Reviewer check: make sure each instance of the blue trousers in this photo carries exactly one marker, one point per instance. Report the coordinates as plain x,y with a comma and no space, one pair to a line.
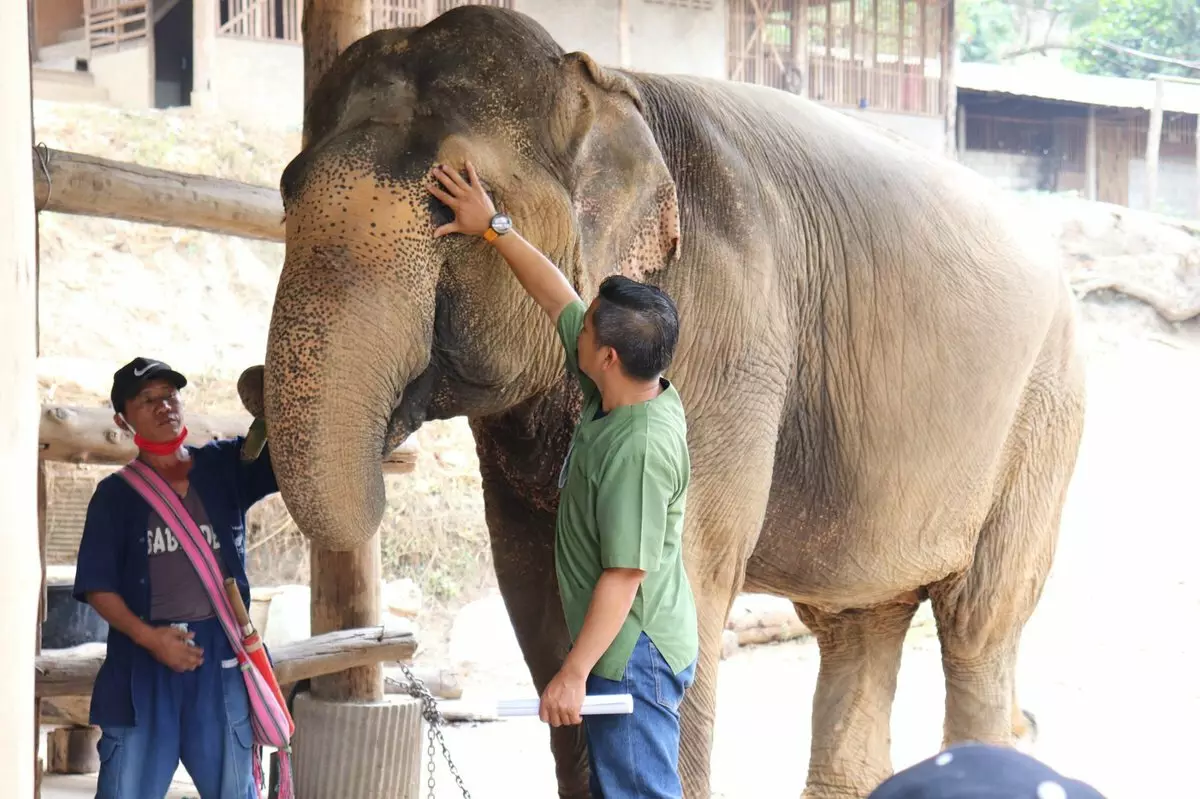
636,756
201,717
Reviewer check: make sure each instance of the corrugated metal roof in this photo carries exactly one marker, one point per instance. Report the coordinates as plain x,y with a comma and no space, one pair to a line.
1074,87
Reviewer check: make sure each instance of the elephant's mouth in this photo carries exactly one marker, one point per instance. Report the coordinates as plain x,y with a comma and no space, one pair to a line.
411,410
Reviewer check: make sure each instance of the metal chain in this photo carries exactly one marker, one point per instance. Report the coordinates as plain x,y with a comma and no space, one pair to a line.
429,711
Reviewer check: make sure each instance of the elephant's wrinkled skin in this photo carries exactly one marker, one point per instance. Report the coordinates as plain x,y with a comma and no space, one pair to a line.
883,388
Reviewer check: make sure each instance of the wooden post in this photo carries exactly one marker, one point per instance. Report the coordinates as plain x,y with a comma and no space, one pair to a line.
949,51
344,585
204,34
20,574
1092,156
1196,141
1153,137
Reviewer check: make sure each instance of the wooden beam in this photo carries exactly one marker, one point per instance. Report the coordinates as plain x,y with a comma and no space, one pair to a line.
1091,156
20,572
72,183
345,585
89,435
72,672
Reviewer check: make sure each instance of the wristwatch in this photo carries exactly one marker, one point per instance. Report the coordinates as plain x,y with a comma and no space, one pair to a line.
500,225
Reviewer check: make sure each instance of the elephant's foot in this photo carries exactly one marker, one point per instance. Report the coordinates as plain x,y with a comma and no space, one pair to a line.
858,788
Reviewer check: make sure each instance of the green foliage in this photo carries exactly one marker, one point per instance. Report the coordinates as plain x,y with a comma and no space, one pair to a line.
1169,28
986,29
996,30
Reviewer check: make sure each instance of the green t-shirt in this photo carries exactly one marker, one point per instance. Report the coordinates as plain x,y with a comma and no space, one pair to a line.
622,506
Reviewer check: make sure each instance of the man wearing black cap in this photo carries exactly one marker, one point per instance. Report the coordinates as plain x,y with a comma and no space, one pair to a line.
170,688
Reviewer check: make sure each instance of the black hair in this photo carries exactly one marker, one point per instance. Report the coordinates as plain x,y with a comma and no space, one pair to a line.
640,322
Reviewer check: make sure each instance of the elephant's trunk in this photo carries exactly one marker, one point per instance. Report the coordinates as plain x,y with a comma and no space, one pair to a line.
346,339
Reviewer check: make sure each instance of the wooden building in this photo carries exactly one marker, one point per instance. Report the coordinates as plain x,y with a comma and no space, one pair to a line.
1050,130
885,60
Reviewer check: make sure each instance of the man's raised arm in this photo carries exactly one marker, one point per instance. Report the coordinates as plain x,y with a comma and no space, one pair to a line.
475,215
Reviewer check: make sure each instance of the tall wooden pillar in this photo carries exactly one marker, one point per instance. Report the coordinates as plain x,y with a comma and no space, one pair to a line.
20,571
345,585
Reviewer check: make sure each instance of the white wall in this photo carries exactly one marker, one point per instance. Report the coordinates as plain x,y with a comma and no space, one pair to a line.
126,75
663,37
1008,170
259,81
926,132
1177,187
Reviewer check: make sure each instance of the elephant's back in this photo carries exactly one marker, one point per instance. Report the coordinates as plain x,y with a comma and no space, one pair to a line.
914,310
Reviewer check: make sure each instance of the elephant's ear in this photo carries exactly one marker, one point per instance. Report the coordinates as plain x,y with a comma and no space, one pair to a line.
623,194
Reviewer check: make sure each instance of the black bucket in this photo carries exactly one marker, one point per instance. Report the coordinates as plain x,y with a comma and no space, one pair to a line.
68,622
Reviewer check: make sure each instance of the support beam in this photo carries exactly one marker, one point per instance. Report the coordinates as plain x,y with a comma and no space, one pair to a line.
20,571
89,435
71,183
623,34
71,672
1092,157
1153,139
344,585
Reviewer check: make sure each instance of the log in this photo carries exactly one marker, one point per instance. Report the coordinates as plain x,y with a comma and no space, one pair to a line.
1160,303
346,594
67,711
73,183
71,672
89,435
72,750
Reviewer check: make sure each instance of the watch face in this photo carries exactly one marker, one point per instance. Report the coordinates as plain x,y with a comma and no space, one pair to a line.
501,223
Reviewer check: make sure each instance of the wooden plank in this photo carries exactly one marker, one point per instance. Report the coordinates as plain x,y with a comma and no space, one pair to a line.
73,183
89,435
20,572
71,672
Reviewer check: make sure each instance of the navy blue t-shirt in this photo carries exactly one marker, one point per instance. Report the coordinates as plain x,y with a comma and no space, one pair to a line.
113,557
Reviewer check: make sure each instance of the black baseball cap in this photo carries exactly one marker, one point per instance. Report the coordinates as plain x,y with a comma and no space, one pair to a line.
129,379
982,771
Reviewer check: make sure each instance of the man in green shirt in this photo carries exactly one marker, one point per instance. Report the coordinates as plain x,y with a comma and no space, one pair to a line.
618,540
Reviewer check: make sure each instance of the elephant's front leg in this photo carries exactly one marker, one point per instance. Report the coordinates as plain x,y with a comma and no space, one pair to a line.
520,523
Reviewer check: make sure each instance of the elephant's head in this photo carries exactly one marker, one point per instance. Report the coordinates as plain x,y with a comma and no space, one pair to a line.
377,326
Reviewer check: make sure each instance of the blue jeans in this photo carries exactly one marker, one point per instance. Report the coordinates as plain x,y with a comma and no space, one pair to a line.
201,717
636,756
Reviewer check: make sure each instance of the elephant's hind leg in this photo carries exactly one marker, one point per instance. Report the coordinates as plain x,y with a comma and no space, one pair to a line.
852,705
981,612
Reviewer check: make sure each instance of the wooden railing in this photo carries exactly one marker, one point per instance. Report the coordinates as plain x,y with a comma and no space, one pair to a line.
280,19
263,19
113,24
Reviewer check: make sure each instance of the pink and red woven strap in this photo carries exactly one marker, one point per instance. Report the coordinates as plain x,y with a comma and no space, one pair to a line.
268,720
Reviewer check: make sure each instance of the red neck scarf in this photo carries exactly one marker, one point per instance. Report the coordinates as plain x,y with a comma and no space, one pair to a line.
161,447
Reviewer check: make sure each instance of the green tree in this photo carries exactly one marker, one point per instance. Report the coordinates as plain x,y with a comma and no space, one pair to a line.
1169,28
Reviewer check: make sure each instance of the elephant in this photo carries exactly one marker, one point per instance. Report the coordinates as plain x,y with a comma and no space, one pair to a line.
881,373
